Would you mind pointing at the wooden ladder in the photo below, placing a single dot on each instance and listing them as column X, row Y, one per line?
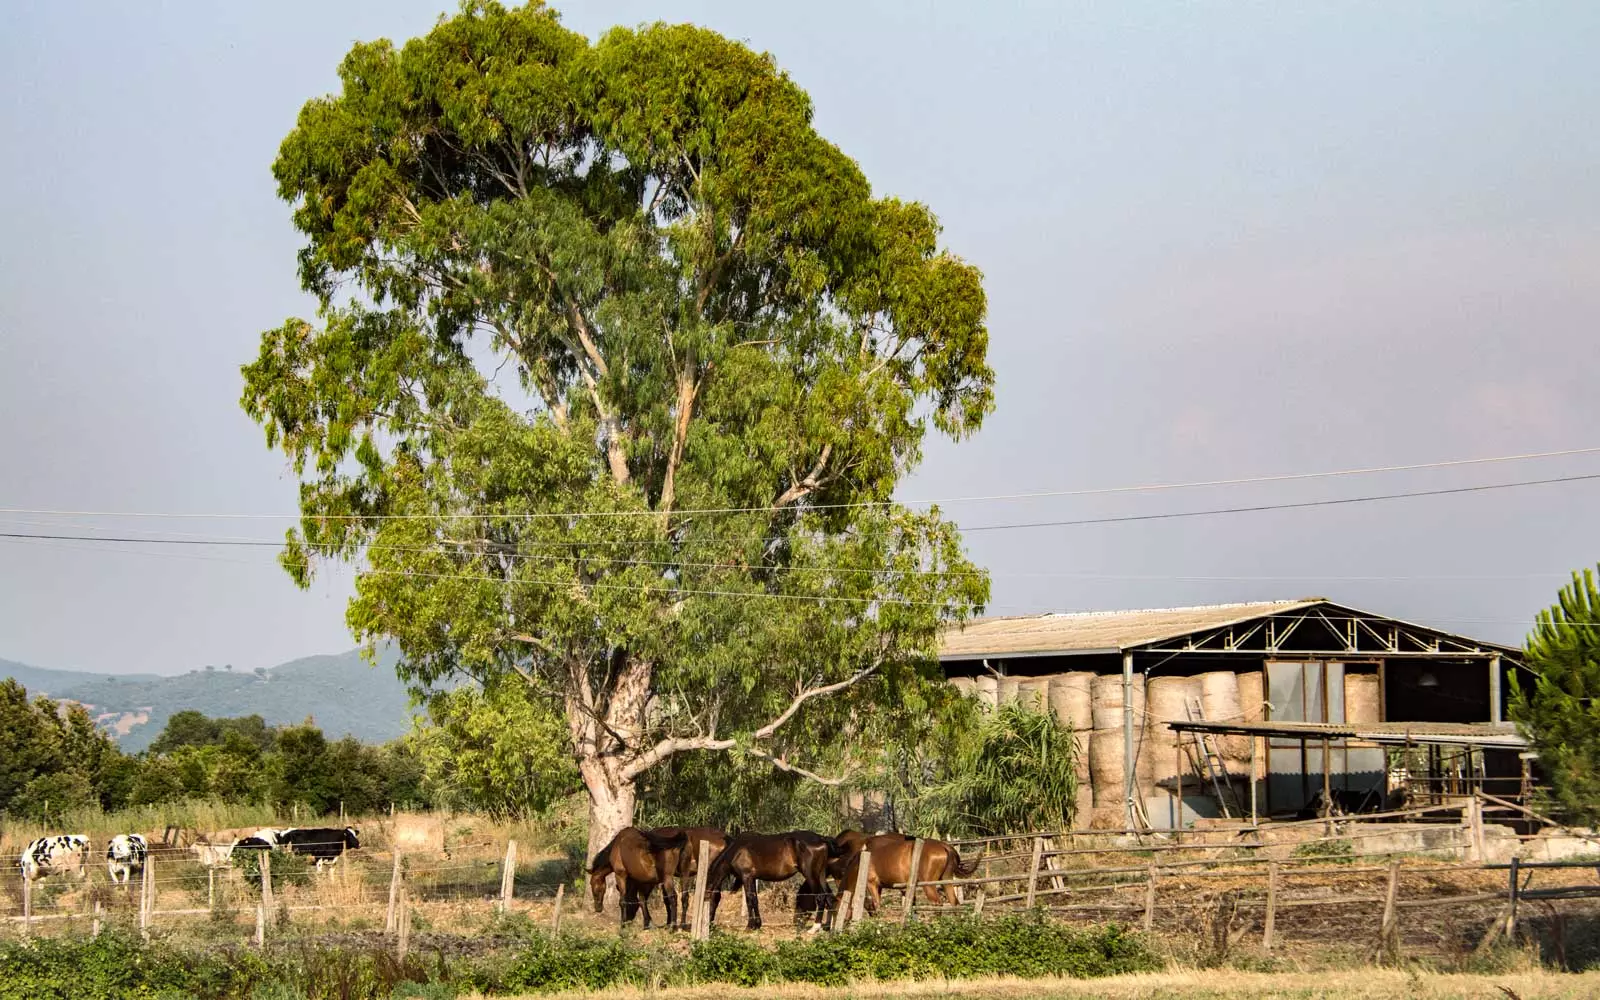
column 1211, row 765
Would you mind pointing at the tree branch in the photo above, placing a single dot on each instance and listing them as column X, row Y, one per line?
column 783, row 765
column 806, row 695
column 666, row 748
column 687, row 389
column 805, row 486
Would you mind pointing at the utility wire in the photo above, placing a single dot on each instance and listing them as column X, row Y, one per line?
column 1116, row 519
column 1034, row 495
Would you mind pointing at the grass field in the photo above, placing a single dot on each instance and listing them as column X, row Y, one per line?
column 1211, row 984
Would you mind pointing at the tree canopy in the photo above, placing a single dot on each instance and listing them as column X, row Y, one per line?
column 616, row 368
column 1559, row 712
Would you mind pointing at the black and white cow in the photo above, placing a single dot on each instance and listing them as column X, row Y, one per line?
column 125, row 857
column 324, row 844
column 67, row 852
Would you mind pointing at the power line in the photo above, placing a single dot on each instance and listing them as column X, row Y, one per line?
column 1033, row 495
column 1115, row 519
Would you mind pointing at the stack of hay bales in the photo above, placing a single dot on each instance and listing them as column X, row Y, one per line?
column 1167, row 700
column 1033, row 693
column 1007, row 689
column 1219, row 698
column 1253, row 705
column 1107, row 751
column 1071, row 704
column 987, row 690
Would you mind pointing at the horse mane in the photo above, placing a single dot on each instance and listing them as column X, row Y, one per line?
column 605, row 852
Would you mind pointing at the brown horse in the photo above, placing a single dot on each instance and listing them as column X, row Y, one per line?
column 776, row 857
column 640, row 860
column 684, row 862
column 890, row 867
column 850, row 842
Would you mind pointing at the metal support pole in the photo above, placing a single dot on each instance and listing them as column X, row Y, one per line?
column 1128, row 763
column 1496, row 712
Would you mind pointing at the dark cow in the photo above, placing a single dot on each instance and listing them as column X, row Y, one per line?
column 67, row 852
column 323, row 844
column 125, row 857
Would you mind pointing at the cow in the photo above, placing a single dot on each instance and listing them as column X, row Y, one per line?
column 125, row 857
column 67, row 852
column 323, row 844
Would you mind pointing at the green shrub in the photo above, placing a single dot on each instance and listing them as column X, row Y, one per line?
column 568, row 963
column 287, row 867
column 1338, row 852
column 727, row 958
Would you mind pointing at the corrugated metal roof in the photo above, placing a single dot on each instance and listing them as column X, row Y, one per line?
column 1481, row 734
column 1092, row 631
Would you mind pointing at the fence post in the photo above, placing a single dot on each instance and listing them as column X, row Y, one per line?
column 699, row 919
column 261, row 925
column 508, row 873
column 1272, row 906
column 146, row 892
column 977, row 904
column 858, row 902
column 1388, row 945
column 389, row 925
column 1511, row 912
column 27, row 906
column 555, row 913
column 211, row 887
column 94, row 923
column 1150, row 900
column 266, row 882
column 1479, row 844
column 911, row 879
column 404, row 943
column 1033, row 869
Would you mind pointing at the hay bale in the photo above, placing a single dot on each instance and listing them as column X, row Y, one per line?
column 1007, row 689
column 1106, row 756
column 1219, row 696
column 1033, row 693
column 1253, row 705
column 1363, row 700
column 1105, row 692
column 1167, row 700
column 966, row 686
column 1070, row 700
column 1112, row 817
column 986, row 690
column 1083, row 806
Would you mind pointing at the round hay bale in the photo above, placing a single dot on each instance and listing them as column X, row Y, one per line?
column 1106, row 754
column 1167, row 700
column 1070, row 700
column 1007, row 689
column 1033, row 693
column 1105, row 692
column 1083, row 807
column 986, row 690
column 1253, row 703
column 1253, row 696
column 967, row 686
column 1362, row 698
column 1110, row 817
column 1080, row 756
column 1219, row 696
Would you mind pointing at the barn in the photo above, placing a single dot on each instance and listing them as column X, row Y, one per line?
column 1253, row 710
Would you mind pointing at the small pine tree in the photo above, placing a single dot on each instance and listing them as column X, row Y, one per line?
column 1559, row 713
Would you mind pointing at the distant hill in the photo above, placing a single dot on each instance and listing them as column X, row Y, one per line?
column 341, row 692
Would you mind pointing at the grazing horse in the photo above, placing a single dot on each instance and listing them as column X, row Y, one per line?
column 890, row 867
column 640, row 861
column 850, row 842
column 776, row 857
column 684, row 863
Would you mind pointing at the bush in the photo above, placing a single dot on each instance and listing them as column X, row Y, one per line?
column 287, row 867
column 569, row 963
column 1339, row 852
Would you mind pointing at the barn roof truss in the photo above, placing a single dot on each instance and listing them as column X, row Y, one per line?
column 1324, row 629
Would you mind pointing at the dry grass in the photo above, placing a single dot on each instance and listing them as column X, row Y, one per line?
column 1362, row 984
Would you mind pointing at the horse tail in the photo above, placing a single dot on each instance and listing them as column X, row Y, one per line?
column 965, row 869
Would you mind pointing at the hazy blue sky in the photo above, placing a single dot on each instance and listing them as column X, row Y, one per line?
column 1220, row 240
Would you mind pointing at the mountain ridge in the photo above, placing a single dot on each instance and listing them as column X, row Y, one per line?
column 341, row 692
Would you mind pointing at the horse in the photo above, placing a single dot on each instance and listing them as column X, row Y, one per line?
column 776, row 857
column 850, row 842
column 890, row 866
column 684, row 862
column 640, row 861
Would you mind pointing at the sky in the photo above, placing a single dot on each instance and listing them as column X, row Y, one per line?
column 1220, row 241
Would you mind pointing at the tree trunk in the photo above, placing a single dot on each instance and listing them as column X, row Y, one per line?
column 611, row 804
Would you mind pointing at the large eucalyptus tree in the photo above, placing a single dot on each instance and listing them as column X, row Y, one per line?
column 616, row 368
